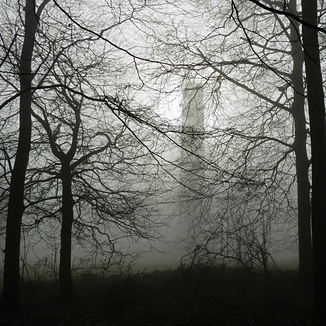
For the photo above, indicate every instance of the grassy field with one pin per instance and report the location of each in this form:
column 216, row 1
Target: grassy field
column 202, row 297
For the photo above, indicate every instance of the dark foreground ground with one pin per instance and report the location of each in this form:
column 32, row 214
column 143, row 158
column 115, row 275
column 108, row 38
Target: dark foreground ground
column 222, row 297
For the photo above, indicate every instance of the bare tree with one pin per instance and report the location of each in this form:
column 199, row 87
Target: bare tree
column 55, row 38
column 316, row 105
column 11, row 292
column 87, row 177
column 101, row 150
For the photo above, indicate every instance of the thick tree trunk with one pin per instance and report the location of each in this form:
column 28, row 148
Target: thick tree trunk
column 11, row 284
column 302, row 161
column 65, row 279
column 304, row 211
column 318, row 149
column 303, row 195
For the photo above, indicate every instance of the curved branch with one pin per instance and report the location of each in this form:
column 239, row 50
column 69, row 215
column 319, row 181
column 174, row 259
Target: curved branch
column 289, row 15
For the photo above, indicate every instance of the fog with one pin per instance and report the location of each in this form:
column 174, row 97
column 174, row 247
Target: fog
column 188, row 215
column 155, row 163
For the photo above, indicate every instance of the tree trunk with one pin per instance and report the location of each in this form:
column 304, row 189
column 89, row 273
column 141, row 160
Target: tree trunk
column 318, row 149
column 302, row 161
column 65, row 279
column 11, row 284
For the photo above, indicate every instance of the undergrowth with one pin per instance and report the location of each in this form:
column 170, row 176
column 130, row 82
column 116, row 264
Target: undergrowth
column 200, row 296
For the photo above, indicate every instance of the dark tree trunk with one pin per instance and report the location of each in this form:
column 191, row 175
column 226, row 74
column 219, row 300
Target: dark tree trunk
column 65, row 279
column 318, row 149
column 303, row 195
column 304, row 210
column 67, row 208
column 11, row 284
column 302, row 161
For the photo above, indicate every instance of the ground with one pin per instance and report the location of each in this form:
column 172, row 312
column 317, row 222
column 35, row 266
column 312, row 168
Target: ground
column 216, row 297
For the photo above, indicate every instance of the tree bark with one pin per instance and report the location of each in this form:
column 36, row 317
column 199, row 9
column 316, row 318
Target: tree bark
column 11, row 284
column 65, row 279
column 302, row 161
column 318, row 149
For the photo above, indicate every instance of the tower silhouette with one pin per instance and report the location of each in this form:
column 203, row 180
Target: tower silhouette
column 191, row 160
column 193, row 111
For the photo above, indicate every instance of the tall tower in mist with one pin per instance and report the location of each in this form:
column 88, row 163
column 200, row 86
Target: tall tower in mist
column 193, row 114
column 192, row 172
